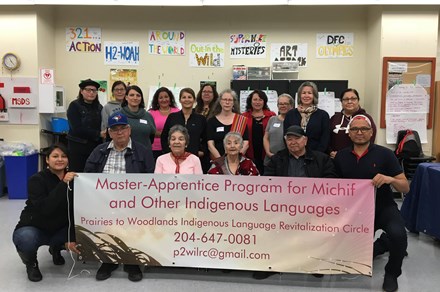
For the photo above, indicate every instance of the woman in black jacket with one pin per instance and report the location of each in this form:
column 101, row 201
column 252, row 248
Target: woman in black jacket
column 84, row 115
column 45, row 218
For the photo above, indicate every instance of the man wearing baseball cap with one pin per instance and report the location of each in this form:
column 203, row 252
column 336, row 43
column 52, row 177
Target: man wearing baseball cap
column 120, row 155
column 366, row 160
column 297, row 161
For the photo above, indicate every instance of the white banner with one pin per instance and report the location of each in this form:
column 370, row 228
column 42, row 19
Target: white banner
column 254, row 223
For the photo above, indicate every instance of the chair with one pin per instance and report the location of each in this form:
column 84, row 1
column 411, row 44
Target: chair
column 408, row 161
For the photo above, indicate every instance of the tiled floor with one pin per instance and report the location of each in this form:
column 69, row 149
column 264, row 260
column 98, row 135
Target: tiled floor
column 421, row 271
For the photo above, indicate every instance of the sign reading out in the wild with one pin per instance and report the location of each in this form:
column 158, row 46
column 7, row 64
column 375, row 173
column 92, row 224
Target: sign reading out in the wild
column 207, row 54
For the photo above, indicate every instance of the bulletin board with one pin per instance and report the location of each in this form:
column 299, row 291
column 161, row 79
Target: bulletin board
column 408, row 70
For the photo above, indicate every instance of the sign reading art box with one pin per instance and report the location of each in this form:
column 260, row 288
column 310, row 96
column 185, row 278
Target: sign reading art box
column 297, row 225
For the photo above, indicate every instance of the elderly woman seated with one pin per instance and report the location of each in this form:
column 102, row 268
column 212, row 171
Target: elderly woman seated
column 178, row 160
column 233, row 163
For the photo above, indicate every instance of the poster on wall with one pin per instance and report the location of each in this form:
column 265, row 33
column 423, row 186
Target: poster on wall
column 83, row 39
column 166, row 42
column 272, row 99
column 153, row 88
column 102, row 91
column 407, row 106
column 403, row 121
column 248, row 45
column 47, row 76
column 128, row 76
column 206, row 55
column 334, row 45
column 287, row 52
column 121, row 53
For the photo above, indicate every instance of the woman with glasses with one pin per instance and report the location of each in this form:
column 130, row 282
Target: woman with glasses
column 206, row 99
column 84, row 115
column 141, row 122
column 226, row 118
column 273, row 140
column 258, row 115
column 339, row 138
column 118, row 93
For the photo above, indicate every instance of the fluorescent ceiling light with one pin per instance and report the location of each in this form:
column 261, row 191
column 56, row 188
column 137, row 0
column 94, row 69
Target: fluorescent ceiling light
column 363, row 2
column 217, row 2
column 243, row 2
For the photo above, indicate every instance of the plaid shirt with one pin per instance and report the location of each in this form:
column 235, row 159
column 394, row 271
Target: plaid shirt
column 116, row 159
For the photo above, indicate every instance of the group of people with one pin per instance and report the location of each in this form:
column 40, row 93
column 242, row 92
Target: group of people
column 208, row 135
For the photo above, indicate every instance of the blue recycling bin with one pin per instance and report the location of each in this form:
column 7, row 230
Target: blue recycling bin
column 2, row 176
column 18, row 171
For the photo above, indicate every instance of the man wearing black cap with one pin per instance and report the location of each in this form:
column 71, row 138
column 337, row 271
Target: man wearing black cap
column 121, row 155
column 84, row 115
column 297, row 161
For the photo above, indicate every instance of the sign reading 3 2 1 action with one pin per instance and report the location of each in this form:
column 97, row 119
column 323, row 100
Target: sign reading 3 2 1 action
column 296, row 225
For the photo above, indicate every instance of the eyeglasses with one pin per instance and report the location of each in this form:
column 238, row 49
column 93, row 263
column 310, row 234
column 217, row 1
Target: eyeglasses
column 352, row 99
column 227, row 100
column 90, row 90
column 207, row 91
column 283, row 104
column 118, row 130
column 363, row 130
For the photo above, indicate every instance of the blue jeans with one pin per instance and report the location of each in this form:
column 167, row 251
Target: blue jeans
column 28, row 239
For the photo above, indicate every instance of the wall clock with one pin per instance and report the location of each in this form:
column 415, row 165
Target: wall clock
column 11, row 61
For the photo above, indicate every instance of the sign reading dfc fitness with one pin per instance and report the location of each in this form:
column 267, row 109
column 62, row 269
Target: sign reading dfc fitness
column 283, row 224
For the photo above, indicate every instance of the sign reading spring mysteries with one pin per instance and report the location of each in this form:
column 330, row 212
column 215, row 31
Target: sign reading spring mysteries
column 248, row 45
column 299, row 225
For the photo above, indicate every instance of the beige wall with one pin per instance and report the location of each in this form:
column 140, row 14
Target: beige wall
column 18, row 29
column 208, row 24
column 410, row 33
column 379, row 31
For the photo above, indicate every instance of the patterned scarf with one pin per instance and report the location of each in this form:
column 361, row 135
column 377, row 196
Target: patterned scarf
column 179, row 159
column 306, row 112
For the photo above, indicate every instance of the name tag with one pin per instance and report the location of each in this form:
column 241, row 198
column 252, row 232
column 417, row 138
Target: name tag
column 220, row 129
column 143, row 121
column 276, row 125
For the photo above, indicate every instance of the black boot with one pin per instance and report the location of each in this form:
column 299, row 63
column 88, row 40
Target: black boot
column 33, row 272
column 32, row 269
column 57, row 258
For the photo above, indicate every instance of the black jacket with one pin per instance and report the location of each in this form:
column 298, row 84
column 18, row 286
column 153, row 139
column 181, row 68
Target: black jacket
column 46, row 206
column 317, row 164
column 137, row 159
column 196, row 126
